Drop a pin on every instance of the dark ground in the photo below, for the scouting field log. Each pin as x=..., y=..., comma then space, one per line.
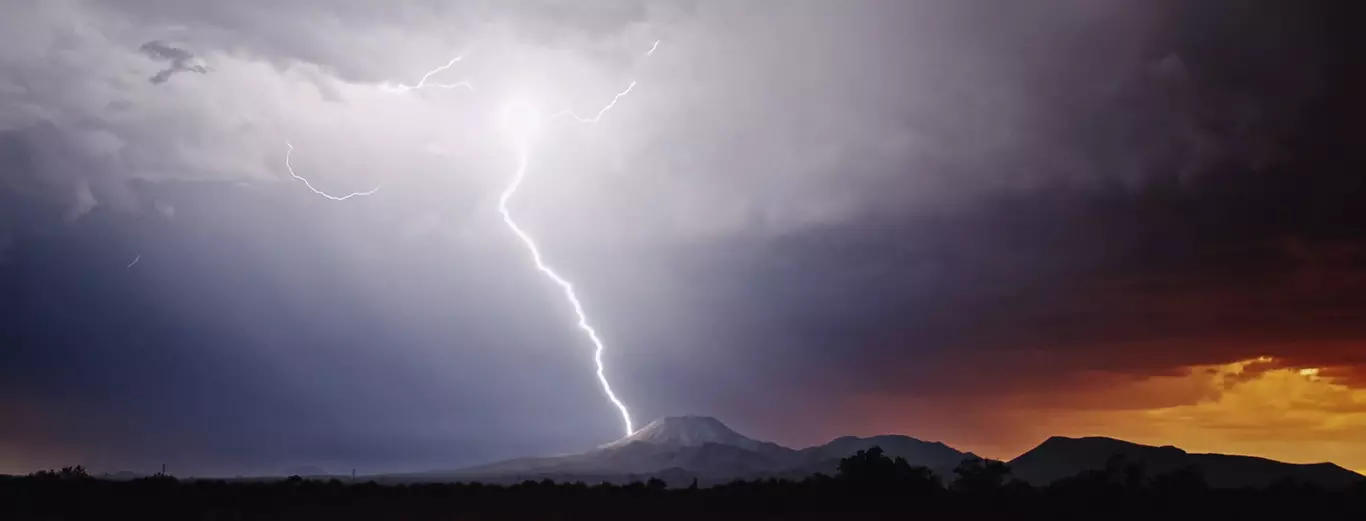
x=868, y=486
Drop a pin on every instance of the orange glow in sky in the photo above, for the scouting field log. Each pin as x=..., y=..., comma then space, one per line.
x=1255, y=407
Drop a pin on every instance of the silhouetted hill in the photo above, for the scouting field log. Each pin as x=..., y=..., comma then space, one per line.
x=1060, y=457
x=306, y=471
x=679, y=449
x=937, y=456
x=683, y=447
x=689, y=431
x=123, y=475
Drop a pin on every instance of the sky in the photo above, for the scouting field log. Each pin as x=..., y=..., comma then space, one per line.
x=980, y=222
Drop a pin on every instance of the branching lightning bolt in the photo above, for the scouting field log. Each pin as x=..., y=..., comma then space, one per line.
x=289, y=167
x=422, y=83
x=522, y=159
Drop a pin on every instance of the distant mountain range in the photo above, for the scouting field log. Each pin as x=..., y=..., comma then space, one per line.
x=1059, y=457
x=681, y=449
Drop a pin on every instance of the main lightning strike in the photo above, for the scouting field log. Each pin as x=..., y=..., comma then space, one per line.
x=523, y=158
x=523, y=121
x=290, y=168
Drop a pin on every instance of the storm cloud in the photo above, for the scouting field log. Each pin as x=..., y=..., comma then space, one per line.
x=802, y=209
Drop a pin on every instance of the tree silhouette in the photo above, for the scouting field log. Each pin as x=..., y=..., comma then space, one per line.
x=869, y=485
x=980, y=476
x=872, y=470
x=656, y=484
x=1119, y=475
x=1185, y=481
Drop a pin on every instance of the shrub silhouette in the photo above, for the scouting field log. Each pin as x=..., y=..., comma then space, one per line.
x=1187, y=481
x=874, y=471
x=978, y=476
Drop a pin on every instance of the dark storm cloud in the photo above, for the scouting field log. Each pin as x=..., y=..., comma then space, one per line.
x=1247, y=253
x=231, y=348
x=801, y=202
x=181, y=60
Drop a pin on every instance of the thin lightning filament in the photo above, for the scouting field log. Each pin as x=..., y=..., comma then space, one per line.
x=290, y=152
x=422, y=83
x=598, y=117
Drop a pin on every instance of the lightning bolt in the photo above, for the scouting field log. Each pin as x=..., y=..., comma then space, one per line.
x=290, y=152
x=422, y=83
x=523, y=157
x=598, y=116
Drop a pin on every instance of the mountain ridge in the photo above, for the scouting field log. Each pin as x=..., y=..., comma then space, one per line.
x=1060, y=457
x=680, y=449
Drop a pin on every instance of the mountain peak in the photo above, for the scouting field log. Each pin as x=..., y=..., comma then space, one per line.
x=933, y=454
x=687, y=431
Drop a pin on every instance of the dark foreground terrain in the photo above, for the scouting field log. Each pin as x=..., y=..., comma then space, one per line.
x=866, y=485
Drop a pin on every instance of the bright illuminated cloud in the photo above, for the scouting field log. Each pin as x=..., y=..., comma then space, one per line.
x=782, y=134
x=521, y=118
